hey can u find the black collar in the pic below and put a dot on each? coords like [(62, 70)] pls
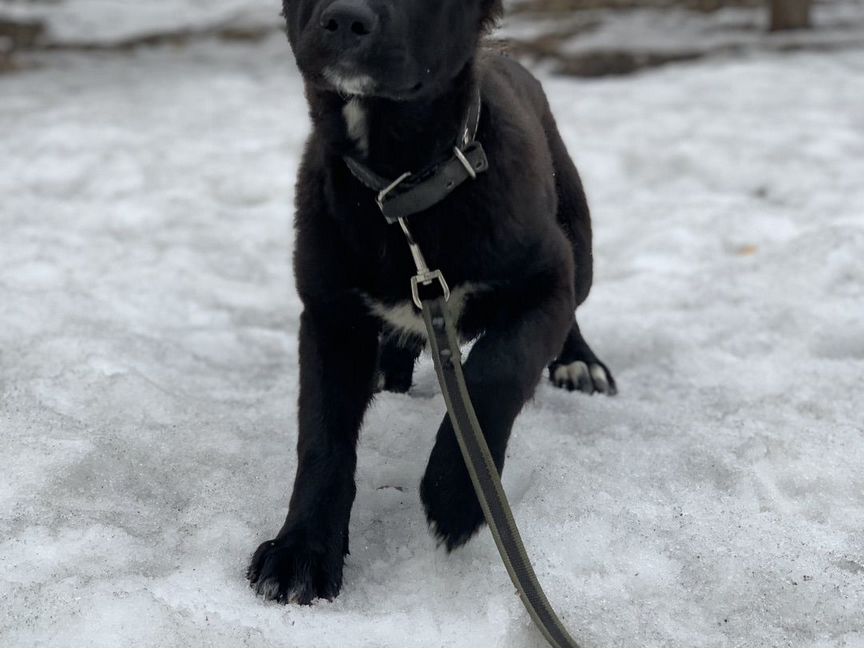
[(412, 193)]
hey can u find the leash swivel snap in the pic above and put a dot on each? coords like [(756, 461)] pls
[(427, 279), (424, 276)]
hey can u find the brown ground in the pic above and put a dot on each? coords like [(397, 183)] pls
[(551, 7), (564, 21)]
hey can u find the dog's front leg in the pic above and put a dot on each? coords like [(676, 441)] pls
[(501, 373), (337, 368)]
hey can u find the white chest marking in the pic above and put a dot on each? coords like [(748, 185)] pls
[(355, 121), (405, 318)]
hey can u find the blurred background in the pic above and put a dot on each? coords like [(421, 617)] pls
[(576, 37)]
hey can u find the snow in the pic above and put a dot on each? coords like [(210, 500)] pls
[(148, 369), (105, 22)]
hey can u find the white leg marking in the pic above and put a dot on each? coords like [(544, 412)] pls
[(601, 380), (574, 376), (578, 372), (586, 378), (561, 375)]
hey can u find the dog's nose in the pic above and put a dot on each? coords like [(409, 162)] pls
[(349, 22)]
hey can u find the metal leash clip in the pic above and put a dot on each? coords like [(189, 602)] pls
[(424, 276), (427, 279)]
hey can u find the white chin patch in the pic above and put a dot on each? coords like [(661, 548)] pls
[(355, 86)]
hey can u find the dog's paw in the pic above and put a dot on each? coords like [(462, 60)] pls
[(452, 509), (291, 569), (586, 377)]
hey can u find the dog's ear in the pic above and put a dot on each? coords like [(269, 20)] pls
[(491, 11)]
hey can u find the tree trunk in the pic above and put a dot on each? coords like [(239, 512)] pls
[(790, 14)]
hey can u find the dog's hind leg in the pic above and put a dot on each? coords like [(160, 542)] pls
[(577, 367), (398, 355)]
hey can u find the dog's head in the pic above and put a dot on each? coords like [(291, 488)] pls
[(395, 49)]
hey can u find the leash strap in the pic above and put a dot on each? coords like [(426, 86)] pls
[(410, 194), (484, 473)]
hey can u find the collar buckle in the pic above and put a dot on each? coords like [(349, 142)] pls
[(465, 162), (386, 191)]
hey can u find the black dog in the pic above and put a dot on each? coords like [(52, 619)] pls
[(390, 83)]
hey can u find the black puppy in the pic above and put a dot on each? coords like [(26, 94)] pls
[(390, 84)]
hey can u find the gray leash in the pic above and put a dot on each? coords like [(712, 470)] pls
[(398, 199), (475, 452)]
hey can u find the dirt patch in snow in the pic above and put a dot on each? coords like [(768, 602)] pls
[(592, 38)]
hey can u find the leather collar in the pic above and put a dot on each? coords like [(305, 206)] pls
[(412, 193)]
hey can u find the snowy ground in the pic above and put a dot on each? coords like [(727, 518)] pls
[(148, 370), (88, 22), (608, 39)]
